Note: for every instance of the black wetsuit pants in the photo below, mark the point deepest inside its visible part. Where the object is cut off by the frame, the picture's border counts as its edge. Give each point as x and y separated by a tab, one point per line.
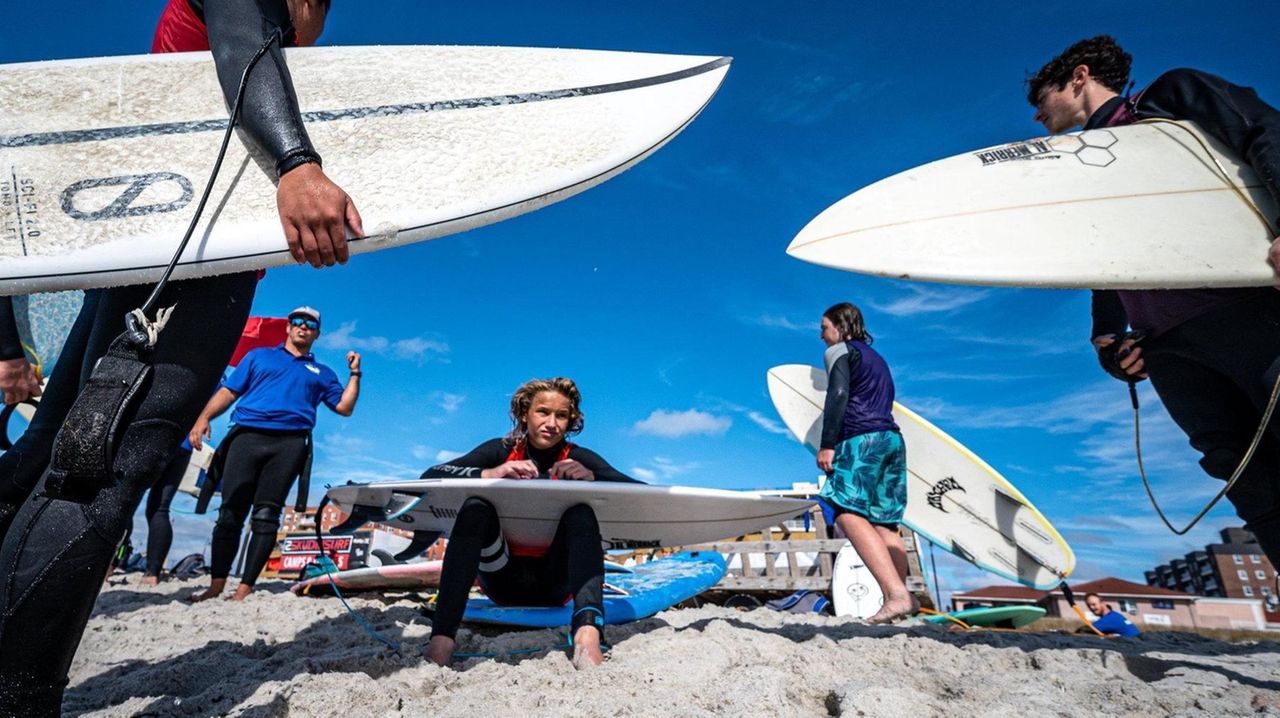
572	567
156	512
1215	374
55	553
259	471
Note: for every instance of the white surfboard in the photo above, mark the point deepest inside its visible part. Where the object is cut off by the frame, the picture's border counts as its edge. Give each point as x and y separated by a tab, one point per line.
103	159
954	499
630	515
854	590
1159	205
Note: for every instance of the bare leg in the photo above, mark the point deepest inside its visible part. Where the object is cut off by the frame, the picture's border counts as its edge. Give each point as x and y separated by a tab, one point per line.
586	648
440	650
216	587
870	543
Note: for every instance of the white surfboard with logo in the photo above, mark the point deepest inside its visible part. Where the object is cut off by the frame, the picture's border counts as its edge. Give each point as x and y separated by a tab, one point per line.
102	160
954	499
1153	205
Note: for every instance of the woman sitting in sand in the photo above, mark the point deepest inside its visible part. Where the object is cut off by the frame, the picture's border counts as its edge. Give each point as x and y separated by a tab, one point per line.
544	413
864	457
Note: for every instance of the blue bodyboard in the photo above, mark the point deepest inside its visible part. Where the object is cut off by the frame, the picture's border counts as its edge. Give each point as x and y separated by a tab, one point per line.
652	587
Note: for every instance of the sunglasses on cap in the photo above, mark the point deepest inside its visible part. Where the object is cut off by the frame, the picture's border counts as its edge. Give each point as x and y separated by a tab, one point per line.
303	321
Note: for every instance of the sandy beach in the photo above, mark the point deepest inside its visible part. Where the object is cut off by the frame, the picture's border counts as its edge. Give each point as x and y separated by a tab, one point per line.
146	653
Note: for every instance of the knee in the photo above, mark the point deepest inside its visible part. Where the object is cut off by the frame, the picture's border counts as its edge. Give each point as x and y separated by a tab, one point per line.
581	517
266	519
229	521
476	516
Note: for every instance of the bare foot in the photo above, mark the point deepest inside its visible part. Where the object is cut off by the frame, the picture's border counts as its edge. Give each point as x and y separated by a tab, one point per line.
440	650
896	608
586	648
242	592
213	591
152	581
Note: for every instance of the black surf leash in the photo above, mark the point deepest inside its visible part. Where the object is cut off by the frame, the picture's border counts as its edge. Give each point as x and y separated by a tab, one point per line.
85	449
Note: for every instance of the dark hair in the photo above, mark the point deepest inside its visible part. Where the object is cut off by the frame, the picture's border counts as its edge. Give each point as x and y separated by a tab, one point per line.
1108	63
522	400
847	319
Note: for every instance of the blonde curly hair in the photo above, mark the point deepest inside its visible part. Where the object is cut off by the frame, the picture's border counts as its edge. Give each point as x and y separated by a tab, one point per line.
522	400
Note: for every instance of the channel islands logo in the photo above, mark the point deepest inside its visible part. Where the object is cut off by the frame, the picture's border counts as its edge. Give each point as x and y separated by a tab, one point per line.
940	489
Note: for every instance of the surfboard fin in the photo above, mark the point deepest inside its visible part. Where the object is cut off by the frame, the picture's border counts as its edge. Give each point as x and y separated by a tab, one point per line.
422	541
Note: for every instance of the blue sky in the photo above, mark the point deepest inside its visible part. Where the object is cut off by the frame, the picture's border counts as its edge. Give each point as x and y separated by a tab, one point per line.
666	292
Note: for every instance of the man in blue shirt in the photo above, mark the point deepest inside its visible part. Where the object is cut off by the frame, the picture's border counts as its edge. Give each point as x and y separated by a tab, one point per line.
1109	621
278	389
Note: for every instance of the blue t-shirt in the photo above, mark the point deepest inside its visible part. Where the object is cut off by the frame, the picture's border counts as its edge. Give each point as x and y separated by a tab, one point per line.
279	391
1115	622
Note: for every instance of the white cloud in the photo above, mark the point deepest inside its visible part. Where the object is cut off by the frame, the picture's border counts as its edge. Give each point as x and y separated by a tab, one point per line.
444	455
768	424
448	402
675	424
418	349
778	321
661	468
931	300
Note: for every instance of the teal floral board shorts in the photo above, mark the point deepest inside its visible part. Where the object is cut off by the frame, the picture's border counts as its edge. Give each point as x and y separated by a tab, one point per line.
869	477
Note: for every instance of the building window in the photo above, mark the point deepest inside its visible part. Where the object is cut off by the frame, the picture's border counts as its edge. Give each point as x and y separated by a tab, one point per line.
1266	591
1248	591
1162	605
1237	558
1260	575
1127	606
1243	574
1256	558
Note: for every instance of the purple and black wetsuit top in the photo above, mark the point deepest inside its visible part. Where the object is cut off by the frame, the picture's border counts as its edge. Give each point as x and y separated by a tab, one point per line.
860	393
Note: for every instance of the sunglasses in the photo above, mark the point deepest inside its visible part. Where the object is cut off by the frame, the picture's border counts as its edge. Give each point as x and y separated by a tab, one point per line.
304	322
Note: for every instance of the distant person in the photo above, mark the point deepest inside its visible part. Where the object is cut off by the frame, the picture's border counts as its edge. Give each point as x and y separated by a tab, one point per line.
544	414
1109	622
1211	354
864	456
156	512
277	390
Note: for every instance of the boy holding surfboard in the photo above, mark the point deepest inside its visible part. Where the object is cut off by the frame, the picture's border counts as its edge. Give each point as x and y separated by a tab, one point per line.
544	413
864	457
1211	354
56	551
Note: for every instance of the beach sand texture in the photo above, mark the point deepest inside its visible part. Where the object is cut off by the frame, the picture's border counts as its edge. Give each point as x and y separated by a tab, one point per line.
146	653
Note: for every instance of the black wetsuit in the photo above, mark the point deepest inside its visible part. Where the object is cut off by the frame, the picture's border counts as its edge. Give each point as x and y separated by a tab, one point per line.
571	568
156	511
55	552
1212	353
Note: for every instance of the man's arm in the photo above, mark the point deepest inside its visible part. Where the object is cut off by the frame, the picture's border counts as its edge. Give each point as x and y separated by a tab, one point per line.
314	212
221	400
600	469
346	406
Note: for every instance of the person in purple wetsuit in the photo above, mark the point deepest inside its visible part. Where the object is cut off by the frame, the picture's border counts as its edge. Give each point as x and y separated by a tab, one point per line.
1211	354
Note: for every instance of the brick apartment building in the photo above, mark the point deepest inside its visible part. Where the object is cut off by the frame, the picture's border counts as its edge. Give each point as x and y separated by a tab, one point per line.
1234	568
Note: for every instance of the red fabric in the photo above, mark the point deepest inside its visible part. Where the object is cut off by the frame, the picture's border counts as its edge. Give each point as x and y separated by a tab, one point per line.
179	30
518	454
260	332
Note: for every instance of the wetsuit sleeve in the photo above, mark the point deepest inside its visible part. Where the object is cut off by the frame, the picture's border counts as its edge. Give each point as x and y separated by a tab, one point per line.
598	466
269	113
1233	114
840	366
10	340
1109	316
468	466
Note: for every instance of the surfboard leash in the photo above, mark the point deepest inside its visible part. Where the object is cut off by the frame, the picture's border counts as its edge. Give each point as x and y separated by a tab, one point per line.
1235	475
1071	601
